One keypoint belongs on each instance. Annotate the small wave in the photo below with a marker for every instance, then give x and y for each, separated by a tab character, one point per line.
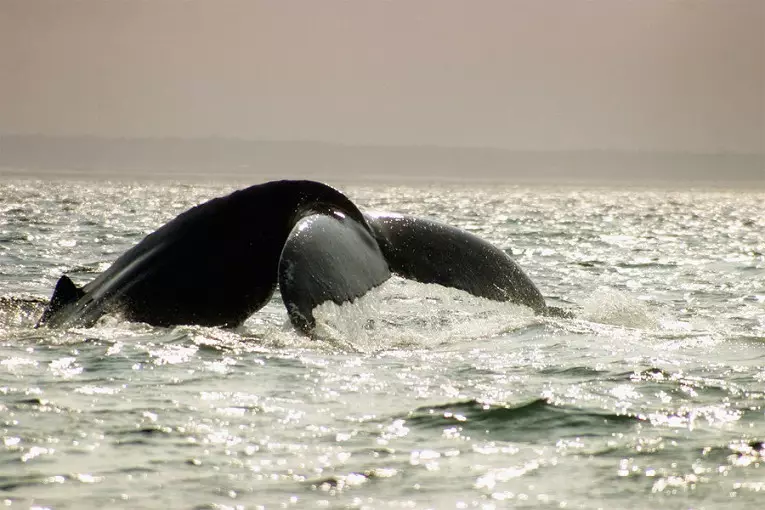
337	483
88	269
574	372
647	264
530	421
740	453
146	435
10	483
590	263
38	405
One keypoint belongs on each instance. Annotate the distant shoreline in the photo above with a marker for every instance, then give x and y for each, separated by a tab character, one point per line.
233	159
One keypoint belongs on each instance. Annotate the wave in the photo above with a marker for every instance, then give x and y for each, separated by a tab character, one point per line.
529	421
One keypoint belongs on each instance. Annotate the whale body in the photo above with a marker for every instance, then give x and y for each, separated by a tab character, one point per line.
219	262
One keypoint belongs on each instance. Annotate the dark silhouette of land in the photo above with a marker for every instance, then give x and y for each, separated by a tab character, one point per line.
221	158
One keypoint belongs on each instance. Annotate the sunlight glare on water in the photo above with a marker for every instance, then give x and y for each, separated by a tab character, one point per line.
414	396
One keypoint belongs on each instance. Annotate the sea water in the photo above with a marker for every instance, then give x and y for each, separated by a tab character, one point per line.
415	396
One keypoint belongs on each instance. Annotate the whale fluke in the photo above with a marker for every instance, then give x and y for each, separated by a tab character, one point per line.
327	258
432	252
218	262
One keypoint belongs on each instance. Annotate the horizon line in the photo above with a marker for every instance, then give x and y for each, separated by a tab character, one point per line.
373	145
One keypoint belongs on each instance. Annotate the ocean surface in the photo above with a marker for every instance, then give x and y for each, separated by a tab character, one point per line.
415	396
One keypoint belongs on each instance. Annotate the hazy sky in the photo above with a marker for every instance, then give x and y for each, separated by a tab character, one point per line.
521	74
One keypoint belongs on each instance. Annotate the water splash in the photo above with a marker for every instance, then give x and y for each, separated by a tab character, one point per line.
618	308
406	314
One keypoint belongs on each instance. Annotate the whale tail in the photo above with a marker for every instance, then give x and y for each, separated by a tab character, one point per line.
218	262
428	251
65	293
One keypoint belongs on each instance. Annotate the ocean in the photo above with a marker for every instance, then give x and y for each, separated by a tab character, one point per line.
414	396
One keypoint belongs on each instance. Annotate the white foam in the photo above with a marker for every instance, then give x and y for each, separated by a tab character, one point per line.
617	308
407	314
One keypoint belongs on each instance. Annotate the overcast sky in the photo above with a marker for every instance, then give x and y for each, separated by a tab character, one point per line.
683	75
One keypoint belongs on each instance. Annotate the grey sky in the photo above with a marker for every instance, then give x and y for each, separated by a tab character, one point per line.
521	74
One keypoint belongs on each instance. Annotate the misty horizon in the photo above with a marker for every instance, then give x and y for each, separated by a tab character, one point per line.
13	137
221	158
518	75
